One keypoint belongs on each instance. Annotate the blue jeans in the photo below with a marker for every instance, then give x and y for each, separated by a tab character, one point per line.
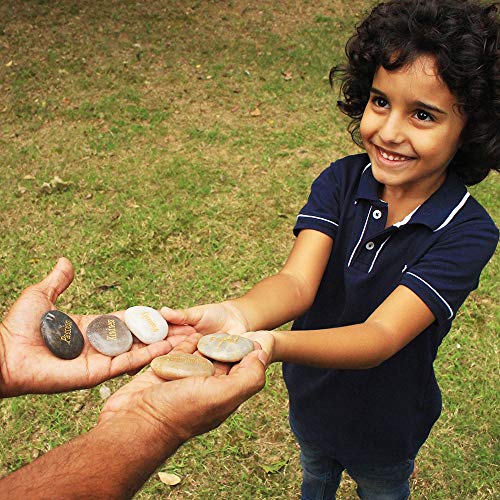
321	477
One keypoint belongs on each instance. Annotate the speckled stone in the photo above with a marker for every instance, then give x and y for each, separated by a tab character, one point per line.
109	335
61	335
177	365
225	347
146	323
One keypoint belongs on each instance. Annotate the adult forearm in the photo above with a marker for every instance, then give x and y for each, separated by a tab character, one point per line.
112	460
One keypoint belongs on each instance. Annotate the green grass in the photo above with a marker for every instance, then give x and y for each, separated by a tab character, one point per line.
178	195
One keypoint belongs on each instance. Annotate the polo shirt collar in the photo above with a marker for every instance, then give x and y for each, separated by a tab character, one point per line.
436	212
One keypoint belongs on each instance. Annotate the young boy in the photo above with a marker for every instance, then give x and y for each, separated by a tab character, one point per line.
388	247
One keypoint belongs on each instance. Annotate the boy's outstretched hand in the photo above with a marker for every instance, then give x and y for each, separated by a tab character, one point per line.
209	318
27	365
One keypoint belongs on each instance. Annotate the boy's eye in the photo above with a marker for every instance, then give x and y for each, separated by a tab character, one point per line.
424	116
380	101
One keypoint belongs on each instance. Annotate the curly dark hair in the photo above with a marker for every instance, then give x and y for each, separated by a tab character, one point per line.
462	36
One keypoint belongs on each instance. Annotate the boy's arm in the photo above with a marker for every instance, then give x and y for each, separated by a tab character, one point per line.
290	293
270	303
397	321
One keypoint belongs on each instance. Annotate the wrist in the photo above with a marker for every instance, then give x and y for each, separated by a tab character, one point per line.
277	353
158	441
234	308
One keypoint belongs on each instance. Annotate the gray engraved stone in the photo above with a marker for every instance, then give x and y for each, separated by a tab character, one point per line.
109	335
177	365
61	335
225	347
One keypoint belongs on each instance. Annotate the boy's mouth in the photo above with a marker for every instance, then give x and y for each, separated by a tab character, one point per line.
391	156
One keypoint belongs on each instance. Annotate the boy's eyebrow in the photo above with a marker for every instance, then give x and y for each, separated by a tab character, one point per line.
420	104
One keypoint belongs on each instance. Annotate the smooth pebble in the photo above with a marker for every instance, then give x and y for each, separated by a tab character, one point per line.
146	323
177	365
109	335
61	335
225	347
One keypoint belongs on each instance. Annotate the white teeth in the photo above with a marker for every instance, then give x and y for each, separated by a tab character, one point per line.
391	157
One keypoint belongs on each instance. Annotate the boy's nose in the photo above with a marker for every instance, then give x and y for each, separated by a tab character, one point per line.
392	129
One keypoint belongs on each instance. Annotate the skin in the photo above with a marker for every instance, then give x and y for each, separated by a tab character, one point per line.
26	364
413	117
140	425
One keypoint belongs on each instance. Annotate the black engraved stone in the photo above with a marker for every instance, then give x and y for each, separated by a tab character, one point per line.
61	335
109	335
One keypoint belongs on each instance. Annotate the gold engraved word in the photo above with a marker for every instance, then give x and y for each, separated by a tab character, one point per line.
223	341
150	322
111	330
67	332
195	360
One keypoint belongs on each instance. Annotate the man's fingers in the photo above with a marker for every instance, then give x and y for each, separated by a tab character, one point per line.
249	375
136	358
58	280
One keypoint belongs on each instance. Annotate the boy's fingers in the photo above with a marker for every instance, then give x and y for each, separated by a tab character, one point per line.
181	316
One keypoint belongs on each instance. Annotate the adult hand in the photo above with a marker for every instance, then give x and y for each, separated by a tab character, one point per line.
181	409
210	318
27	365
140	426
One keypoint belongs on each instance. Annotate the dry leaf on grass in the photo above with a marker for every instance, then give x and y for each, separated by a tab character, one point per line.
170	479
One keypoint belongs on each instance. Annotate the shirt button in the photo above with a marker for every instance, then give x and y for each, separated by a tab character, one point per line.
377	214
370	245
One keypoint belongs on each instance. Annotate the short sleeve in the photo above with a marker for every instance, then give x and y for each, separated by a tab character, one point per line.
450	269
322	210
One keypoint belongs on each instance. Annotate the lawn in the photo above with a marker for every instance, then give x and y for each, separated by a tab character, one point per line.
165	148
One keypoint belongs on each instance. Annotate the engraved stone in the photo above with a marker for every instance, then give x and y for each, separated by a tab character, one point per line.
109	335
61	335
177	365
225	347
146	323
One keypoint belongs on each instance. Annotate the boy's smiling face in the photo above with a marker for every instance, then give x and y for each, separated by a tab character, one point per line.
411	128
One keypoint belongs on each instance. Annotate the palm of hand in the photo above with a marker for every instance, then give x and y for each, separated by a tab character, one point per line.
148	391
27	365
192	405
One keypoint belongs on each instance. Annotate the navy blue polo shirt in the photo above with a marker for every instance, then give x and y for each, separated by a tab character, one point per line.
384	414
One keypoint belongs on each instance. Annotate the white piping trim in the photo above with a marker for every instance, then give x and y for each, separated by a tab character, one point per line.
319	218
454	212
367	166
361	237
378	251
436	292
404	221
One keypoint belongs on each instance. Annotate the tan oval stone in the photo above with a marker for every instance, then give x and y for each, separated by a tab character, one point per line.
178	365
225	347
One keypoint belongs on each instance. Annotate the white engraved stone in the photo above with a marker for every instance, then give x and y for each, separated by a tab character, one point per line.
146	323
